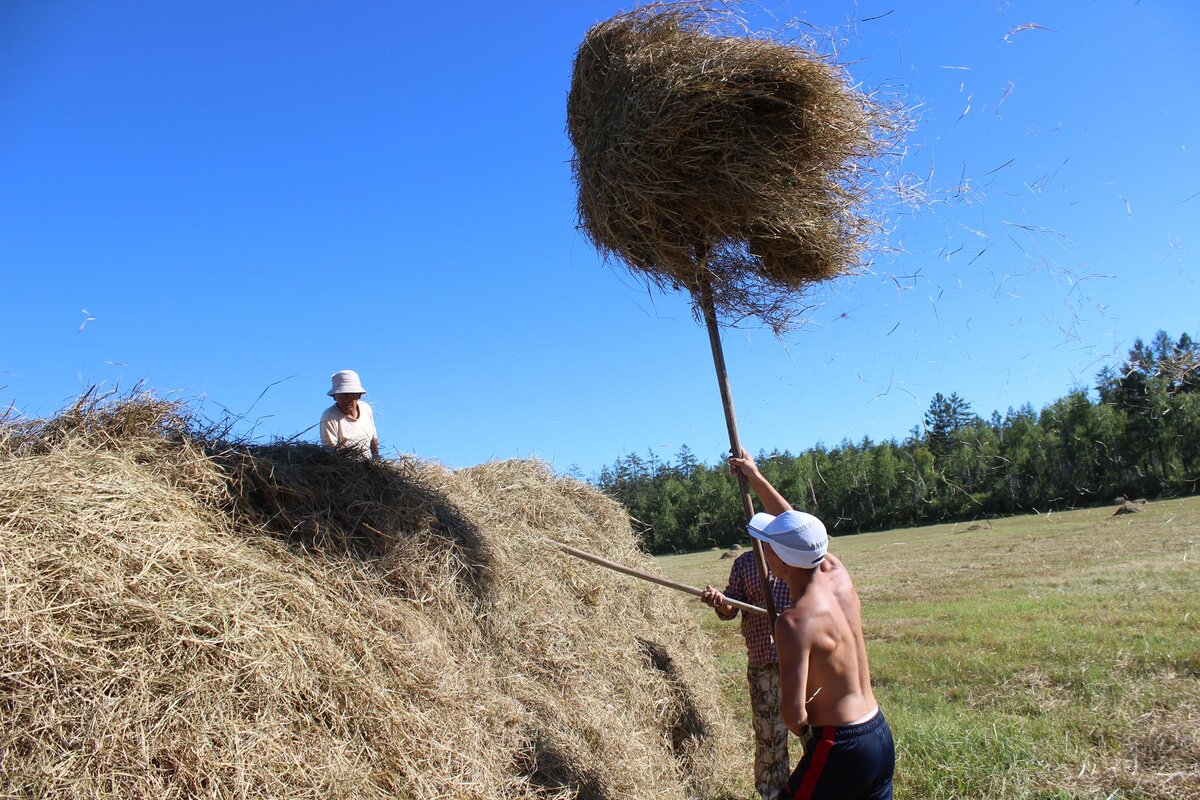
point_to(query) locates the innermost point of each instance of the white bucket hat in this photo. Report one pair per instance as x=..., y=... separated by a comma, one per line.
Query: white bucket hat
x=346, y=382
x=799, y=539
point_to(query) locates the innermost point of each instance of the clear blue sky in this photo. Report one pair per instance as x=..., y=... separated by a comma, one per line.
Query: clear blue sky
x=243, y=193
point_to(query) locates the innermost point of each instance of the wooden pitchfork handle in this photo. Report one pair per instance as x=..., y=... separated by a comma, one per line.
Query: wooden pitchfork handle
x=708, y=306
x=645, y=576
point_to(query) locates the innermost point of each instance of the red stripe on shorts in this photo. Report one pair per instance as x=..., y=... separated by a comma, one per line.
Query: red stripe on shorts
x=808, y=784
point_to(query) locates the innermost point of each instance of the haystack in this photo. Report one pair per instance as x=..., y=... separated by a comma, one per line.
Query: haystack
x=186, y=618
x=735, y=165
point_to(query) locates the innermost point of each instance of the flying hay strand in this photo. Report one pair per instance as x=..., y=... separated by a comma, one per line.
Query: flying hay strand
x=732, y=164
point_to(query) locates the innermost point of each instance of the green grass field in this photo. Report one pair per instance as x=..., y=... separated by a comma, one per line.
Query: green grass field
x=1043, y=656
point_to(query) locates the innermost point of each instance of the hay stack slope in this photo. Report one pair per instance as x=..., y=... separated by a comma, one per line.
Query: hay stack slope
x=183, y=618
x=705, y=159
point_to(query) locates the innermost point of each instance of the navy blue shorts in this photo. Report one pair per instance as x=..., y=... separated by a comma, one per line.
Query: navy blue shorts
x=850, y=762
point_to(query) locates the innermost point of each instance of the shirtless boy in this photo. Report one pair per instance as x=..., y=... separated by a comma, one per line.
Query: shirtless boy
x=824, y=679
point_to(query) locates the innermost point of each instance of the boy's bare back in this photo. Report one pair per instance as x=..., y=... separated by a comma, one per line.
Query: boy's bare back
x=825, y=657
x=825, y=684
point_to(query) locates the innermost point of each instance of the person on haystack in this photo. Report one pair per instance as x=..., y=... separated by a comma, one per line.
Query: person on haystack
x=349, y=422
x=825, y=683
x=762, y=669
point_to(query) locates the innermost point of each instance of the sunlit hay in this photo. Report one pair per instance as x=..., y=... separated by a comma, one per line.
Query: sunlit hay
x=140, y=425
x=578, y=669
x=736, y=162
x=1157, y=757
x=190, y=618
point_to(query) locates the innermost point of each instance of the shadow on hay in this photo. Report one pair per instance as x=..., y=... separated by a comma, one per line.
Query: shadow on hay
x=313, y=498
x=688, y=728
x=548, y=769
x=332, y=502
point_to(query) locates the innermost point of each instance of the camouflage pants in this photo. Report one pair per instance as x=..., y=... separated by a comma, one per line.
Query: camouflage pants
x=770, y=734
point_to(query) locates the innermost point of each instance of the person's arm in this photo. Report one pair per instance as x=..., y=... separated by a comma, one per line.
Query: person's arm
x=716, y=600
x=734, y=587
x=792, y=648
x=772, y=500
x=370, y=413
x=329, y=432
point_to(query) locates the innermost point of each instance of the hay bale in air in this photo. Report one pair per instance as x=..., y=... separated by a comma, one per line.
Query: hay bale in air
x=185, y=618
x=709, y=159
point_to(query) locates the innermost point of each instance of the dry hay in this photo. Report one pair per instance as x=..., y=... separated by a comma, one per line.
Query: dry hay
x=1130, y=507
x=1157, y=756
x=183, y=618
x=732, y=161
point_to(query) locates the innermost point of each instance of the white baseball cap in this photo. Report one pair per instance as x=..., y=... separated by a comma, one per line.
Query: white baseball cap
x=799, y=539
x=346, y=382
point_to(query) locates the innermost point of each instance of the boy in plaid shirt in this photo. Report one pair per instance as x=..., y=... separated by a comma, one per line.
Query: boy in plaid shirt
x=762, y=669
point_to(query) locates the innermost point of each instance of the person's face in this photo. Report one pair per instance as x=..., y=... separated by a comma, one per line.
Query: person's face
x=774, y=563
x=347, y=402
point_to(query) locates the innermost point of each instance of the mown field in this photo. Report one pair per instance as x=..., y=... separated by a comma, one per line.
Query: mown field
x=1042, y=656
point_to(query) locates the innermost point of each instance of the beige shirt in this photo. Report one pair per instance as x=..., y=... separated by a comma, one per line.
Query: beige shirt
x=338, y=430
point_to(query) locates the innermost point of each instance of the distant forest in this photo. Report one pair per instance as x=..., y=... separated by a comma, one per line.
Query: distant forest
x=1139, y=438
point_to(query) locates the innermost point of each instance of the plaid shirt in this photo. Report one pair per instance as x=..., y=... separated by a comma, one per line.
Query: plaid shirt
x=745, y=585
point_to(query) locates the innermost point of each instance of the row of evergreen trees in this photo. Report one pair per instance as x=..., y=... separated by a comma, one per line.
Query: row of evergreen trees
x=1139, y=438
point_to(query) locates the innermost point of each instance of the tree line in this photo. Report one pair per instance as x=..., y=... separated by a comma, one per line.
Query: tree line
x=1139, y=437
